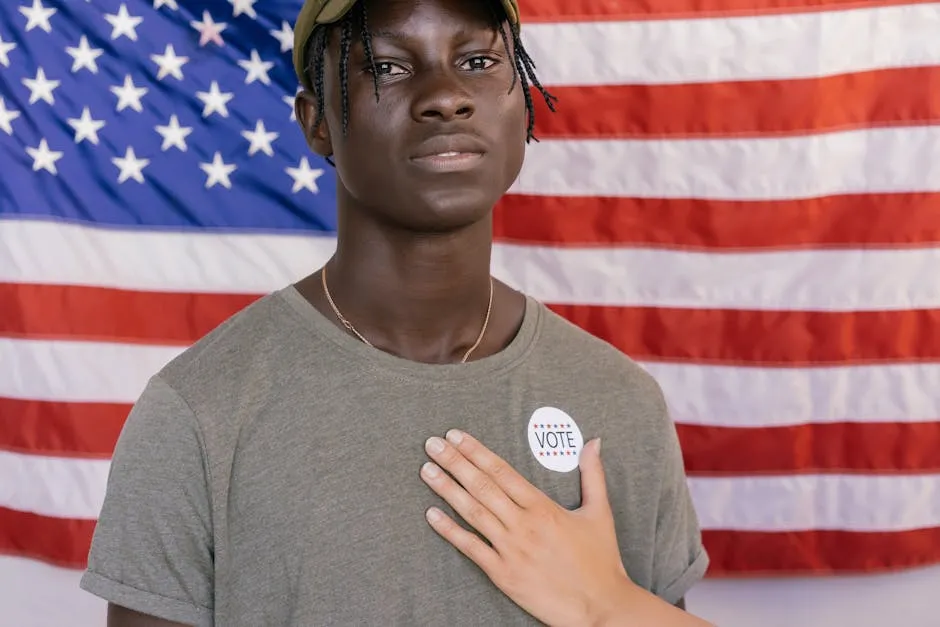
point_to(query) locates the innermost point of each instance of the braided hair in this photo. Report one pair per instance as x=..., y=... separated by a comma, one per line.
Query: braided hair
x=523, y=68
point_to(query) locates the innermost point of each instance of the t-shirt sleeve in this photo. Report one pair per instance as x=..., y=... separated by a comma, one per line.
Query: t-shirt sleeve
x=152, y=547
x=680, y=559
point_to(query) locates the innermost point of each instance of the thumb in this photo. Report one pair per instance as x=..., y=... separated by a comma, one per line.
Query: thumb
x=593, y=482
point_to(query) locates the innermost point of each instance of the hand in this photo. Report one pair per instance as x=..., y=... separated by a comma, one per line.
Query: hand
x=561, y=566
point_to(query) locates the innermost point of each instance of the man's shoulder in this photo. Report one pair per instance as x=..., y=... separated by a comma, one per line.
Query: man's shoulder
x=571, y=347
x=258, y=334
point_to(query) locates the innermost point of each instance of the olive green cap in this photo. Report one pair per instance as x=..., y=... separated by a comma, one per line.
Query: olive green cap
x=315, y=12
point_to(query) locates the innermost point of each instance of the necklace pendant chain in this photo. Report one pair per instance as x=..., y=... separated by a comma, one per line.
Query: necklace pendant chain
x=346, y=323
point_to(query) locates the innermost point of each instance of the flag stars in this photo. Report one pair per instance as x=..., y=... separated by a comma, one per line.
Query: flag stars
x=6, y=118
x=44, y=158
x=123, y=24
x=37, y=16
x=304, y=177
x=130, y=166
x=260, y=139
x=5, y=49
x=169, y=63
x=256, y=69
x=129, y=95
x=214, y=101
x=40, y=88
x=171, y=4
x=244, y=6
x=85, y=127
x=84, y=56
x=209, y=31
x=285, y=36
x=174, y=135
x=218, y=172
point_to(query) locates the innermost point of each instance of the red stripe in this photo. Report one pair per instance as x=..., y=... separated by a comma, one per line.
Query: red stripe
x=696, y=224
x=741, y=109
x=740, y=553
x=57, y=541
x=701, y=335
x=591, y=10
x=61, y=429
x=93, y=313
x=65, y=542
x=90, y=430
x=790, y=338
x=812, y=448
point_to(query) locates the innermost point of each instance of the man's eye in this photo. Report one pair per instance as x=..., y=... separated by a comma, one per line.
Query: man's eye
x=479, y=63
x=385, y=68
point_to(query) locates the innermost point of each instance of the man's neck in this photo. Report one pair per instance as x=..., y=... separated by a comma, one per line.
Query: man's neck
x=420, y=296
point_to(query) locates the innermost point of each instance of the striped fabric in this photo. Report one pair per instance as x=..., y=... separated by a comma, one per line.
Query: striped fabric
x=743, y=195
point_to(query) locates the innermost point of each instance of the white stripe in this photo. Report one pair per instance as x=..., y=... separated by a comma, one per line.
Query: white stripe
x=832, y=502
x=816, y=280
x=75, y=488
x=53, y=486
x=770, y=168
x=56, y=370
x=729, y=396
x=817, y=43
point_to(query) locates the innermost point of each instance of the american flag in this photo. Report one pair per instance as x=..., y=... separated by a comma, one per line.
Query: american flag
x=743, y=195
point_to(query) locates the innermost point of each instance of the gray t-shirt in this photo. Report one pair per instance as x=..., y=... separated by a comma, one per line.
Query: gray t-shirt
x=269, y=474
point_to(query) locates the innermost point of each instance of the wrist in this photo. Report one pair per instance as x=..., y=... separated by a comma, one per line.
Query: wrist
x=614, y=609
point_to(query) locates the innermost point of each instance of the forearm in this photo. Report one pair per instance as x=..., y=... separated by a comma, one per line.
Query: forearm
x=636, y=607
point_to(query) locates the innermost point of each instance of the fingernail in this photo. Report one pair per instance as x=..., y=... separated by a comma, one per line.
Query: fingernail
x=454, y=437
x=434, y=445
x=430, y=470
x=598, y=445
x=433, y=514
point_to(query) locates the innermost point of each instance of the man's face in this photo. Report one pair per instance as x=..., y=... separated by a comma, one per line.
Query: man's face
x=446, y=138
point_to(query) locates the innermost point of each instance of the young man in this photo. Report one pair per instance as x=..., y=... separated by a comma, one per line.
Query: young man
x=270, y=474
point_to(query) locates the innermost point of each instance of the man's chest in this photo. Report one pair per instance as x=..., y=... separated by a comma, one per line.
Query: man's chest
x=325, y=506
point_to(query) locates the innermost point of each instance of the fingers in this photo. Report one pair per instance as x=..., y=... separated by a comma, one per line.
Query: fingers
x=467, y=543
x=481, y=484
x=504, y=476
x=593, y=482
x=469, y=508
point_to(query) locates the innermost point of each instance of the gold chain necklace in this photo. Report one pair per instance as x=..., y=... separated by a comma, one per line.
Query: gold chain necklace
x=346, y=323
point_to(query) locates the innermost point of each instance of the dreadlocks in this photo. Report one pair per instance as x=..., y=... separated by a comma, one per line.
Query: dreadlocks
x=523, y=67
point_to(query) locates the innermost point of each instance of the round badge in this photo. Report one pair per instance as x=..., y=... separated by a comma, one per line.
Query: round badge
x=555, y=439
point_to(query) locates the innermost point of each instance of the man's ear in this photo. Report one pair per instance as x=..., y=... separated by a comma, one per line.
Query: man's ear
x=318, y=137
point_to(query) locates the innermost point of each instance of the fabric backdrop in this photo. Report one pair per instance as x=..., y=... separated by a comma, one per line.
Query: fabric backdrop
x=743, y=195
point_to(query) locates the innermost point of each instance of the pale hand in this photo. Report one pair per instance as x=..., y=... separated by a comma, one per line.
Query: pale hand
x=561, y=566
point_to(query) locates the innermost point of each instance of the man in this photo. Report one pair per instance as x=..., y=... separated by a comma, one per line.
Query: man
x=270, y=474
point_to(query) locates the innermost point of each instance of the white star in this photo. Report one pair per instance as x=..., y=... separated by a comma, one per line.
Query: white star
x=244, y=6
x=85, y=127
x=5, y=49
x=37, y=16
x=40, y=88
x=6, y=117
x=123, y=23
x=129, y=95
x=256, y=68
x=214, y=101
x=173, y=134
x=43, y=158
x=260, y=139
x=217, y=172
x=304, y=177
x=289, y=101
x=285, y=36
x=84, y=56
x=131, y=167
x=170, y=3
x=209, y=31
x=169, y=63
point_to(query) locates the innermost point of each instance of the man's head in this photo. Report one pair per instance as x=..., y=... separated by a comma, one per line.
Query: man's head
x=418, y=102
